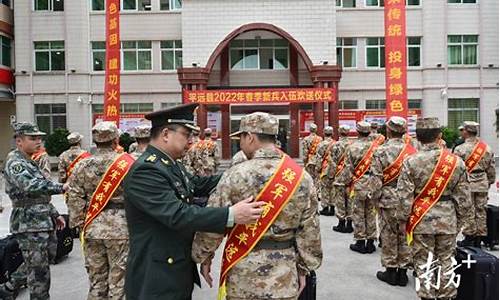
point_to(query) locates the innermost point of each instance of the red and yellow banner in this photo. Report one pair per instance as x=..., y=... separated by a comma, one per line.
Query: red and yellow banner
x=268, y=95
x=72, y=165
x=392, y=171
x=432, y=191
x=395, y=58
x=112, y=75
x=109, y=183
x=475, y=156
x=277, y=191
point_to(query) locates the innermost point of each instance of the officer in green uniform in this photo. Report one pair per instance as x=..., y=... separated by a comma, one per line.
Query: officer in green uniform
x=161, y=217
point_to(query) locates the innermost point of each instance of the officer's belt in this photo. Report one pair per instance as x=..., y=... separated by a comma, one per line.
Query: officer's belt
x=477, y=171
x=28, y=203
x=112, y=205
x=274, y=245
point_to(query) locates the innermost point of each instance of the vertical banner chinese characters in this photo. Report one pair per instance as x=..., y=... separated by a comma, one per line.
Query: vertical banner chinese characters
x=112, y=77
x=395, y=58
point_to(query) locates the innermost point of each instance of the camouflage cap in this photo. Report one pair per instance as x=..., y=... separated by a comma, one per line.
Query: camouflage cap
x=258, y=122
x=328, y=130
x=74, y=138
x=313, y=127
x=344, y=129
x=396, y=124
x=363, y=126
x=460, y=128
x=142, y=131
x=26, y=128
x=471, y=126
x=428, y=123
x=105, y=131
x=208, y=131
x=374, y=125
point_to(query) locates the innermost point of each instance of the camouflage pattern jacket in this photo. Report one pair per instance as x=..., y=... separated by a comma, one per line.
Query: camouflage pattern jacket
x=65, y=160
x=110, y=223
x=383, y=157
x=238, y=158
x=204, y=157
x=267, y=273
x=354, y=153
x=30, y=193
x=317, y=160
x=483, y=173
x=338, y=150
x=307, y=142
x=43, y=163
x=447, y=216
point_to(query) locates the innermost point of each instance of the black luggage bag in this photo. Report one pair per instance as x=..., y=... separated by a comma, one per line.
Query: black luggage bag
x=309, y=292
x=480, y=281
x=11, y=257
x=491, y=240
x=64, y=240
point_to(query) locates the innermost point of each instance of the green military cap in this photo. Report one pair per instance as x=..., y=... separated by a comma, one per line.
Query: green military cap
x=344, y=129
x=180, y=115
x=328, y=130
x=363, y=126
x=428, y=123
x=105, y=131
x=258, y=122
x=26, y=128
x=142, y=131
x=471, y=126
x=396, y=124
x=74, y=138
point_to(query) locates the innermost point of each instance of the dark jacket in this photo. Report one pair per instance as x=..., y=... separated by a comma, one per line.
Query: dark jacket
x=161, y=223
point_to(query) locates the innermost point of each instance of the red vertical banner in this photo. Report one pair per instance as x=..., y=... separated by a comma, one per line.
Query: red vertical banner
x=112, y=77
x=395, y=58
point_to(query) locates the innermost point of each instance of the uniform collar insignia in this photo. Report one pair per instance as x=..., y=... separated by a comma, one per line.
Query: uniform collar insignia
x=165, y=161
x=151, y=158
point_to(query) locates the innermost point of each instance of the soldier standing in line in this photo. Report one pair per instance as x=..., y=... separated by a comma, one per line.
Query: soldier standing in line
x=69, y=158
x=343, y=205
x=141, y=134
x=276, y=266
x=210, y=154
x=480, y=163
x=435, y=201
x=374, y=131
x=41, y=158
x=95, y=206
x=31, y=220
x=189, y=155
x=356, y=177
x=321, y=161
x=386, y=166
x=309, y=147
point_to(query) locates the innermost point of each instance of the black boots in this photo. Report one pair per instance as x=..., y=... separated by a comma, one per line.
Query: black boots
x=469, y=240
x=340, y=227
x=359, y=246
x=370, y=246
x=348, y=227
x=327, y=211
x=389, y=276
x=402, y=277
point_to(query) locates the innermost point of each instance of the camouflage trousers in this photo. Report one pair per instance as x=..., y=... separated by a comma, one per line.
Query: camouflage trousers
x=395, y=250
x=480, y=201
x=326, y=191
x=106, y=261
x=35, y=246
x=442, y=248
x=364, y=216
x=343, y=206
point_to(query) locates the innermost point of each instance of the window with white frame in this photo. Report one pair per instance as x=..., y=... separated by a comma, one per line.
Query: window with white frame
x=462, y=1
x=49, y=56
x=414, y=103
x=140, y=5
x=265, y=54
x=48, y=5
x=375, y=104
x=413, y=50
x=50, y=116
x=171, y=54
x=136, y=55
x=460, y=110
x=6, y=54
x=346, y=52
x=97, y=5
x=346, y=3
x=375, y=52
x=462, y=49
x=98, y=56
x=126, y=108
x=348, y=104
x=380, y=3
x=170, y=4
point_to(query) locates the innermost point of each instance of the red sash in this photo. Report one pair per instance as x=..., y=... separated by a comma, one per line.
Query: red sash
x=107, y=186
x=392, y=171
x=326, y=159
x=364, y=163
x=432, y=191
x=476, y=155
x=72, y=165
x=314, y=147
x=36, y=156
x=277, y=191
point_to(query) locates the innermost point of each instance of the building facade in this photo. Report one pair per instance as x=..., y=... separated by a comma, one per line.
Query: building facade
x=168, y=45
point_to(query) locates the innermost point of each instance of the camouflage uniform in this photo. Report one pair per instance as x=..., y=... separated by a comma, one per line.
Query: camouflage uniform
x=69, y=156
x=43, y=163
x=106, y=238
x=31, y=220
x=481, y=177
x=265, y=273
x=307, y=143
x=238, y=158
x=438, y=229
x=205, y=156
x=141, y=132
x=324, y=183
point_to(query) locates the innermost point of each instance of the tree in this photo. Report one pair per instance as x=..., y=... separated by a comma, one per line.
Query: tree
x=126, y=140
x=56, y=143
x=450, y=136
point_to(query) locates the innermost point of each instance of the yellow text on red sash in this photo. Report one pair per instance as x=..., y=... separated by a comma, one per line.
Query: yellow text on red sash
x=392, y=171
x=475, y=156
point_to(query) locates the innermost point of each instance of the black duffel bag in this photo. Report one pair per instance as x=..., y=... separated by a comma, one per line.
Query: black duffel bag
x=11, y=257
x=309, y=292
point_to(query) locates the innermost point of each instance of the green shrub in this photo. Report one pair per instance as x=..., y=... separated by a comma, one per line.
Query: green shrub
x=126, y=140
x=56, y=143
x=450, y=136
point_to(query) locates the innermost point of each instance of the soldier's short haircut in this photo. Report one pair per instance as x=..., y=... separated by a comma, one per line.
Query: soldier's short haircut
x=104, y=144
x=155, y=131
x=363, y=134
x=142, y=140
x=395, y=134
x=426, y=136
x=266, y=138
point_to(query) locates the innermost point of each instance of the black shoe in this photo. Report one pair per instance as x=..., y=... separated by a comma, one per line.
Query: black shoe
x=402, y=277
x=467, y=241
x=389, y=276
x=340, y=227
x=324, y=211
x=359, y=246
x=348, y=227
x=379, y=242
x=332, y=210
x=477, y=241
x=370, y=246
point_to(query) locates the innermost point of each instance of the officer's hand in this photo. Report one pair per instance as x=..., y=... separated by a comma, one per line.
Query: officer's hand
x=205, y=271
x=60, y=223
x=66, y=186
x=247, y=211
x=302, y=283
